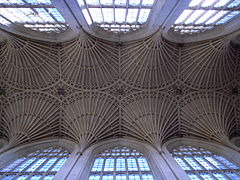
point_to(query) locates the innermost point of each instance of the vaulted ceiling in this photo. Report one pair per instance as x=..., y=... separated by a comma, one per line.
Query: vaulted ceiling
x=89, y=89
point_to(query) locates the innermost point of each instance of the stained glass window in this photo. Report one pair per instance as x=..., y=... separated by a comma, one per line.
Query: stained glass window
x=199, y=163
x=41, y=164
x=203, y=15
x=120, y=163
x=119, y=16
x=39, y=15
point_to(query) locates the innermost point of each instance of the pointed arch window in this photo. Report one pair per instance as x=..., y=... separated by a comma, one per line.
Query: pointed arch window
x=41, y=164
x=120, y=163
x=200, y=164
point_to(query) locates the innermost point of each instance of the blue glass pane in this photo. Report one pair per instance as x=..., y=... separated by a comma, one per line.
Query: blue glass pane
x=226, y=162
x=94, y=177
x=43, y=14
x=120, y=166
x=234, y=4
x=35, y=2
x=22, y=177
x=59, y=164
x=219, y=176
x=49, y=177
x=193, y=177
x=34, y=166
x=134, y=177
x=215, y=163
x=182, y=163
x=47, y=165
x=143, y=165
x=16, y=1
x=37, y=177
x=134, y=2
x=24, y=165
x=232, y=175
x=147, y=177
x=109, y=164
x=121, y=177
x=118, y=163
x=204, y=163
x=8, y=177
x=57, y=16
x=98, y=163
x=206, y=176
x=13, y=164
x=107, y=177
x=47, y=150
x=132, y=164
x=193, y=163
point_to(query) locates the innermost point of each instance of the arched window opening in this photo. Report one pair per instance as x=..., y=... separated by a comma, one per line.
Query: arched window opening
x=120, y=163
x=41, y=164
x=201, y=164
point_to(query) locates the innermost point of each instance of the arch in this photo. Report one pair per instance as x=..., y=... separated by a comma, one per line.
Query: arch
x=202, y=159
x=120, y=162
x=89, y=117
x=150, y=117
x=29, y=117
x=156, y=162
x=236, y=142
x=3, y=143
x=40, y=159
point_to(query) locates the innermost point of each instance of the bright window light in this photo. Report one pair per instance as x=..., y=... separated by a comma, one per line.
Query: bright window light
x=120, y=163
x=105, y=13
x=120, y=2
x=221, y=3
x=81, y=3
x=147, y=2
x=207, y=3
x=132, y=15
x=207, y=13
x=199, y=163
x=206, y=16
x=120, y=15
x=87, y=17
x=228, y=17
x=35, y=2
x=23, y=13
x=144, y=13
x=106, y=2
x=194, y=3
x=16, y=1
x=4, y=21
x=234, y=4
x=183, y=16
x=216, y=17
x=108, y=15
x=38, y=164
x=134, y=2
x=92, y=2
x=96, y=12
x=194, y=16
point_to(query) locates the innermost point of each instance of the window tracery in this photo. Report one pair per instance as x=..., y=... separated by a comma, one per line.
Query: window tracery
x=120, y=163
x=41, y=164
x=203, y=15
x=200, y=163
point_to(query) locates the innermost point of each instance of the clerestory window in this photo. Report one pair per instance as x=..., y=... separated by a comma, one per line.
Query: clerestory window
x=42, y=164
x=203, y=15
x=38, y=15
x=201, y=164
x=118, y=16
x=120, y=163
